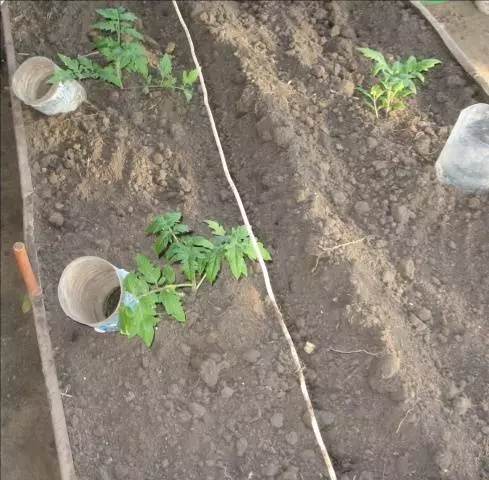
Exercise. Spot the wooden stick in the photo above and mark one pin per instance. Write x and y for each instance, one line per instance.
(25, 269)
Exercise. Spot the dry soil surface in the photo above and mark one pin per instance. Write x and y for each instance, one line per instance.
(400, 376)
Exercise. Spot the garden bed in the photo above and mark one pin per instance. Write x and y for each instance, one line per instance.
(400, 374)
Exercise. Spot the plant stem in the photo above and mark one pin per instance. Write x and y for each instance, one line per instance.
(200, 283)
(167, 287)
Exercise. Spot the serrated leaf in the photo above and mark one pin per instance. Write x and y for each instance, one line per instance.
(217, 229)
(169, 274)
(188, 93)
(427, 64)
(192, 77)
(150, 272)
(190, 253)
(109, 74)
(147, 332)
(163, 240)
(131, 318)
(169, 83)
(135, 285)
(119, 13)
(164, 222)
(213, 264)
(165, 65)
(250, 252)
(111, 27)
(71, 63)
(61, 76)
(173, 305)
(133, 32)
(234, 256)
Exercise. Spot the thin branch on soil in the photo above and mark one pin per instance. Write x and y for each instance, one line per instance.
(331, 249)
(405, 416)
(266, 278)
(348, 352)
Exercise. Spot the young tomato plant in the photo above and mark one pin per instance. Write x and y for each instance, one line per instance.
(395, 81)
(120, 43)
(154, 288)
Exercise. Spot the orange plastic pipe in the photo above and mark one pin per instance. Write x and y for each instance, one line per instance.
(25, 269)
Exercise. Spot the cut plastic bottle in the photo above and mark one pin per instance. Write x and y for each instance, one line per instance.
(464, 160)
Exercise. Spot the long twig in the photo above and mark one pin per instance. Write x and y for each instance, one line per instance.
(314, 423)
(331, 249)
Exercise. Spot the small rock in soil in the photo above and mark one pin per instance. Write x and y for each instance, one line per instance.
(400, 213)
(424, 314)
(56, 219)
(158, 158)
(407, 269)
(252, 356)
(138, 118)
(423, 145)
(209, 372)
(198, 411)
(462, 405)
(241, 446)
(185, 416)
(347, 87)
(339, 198)
(277, 420)
(348, 32)
(388, 277)
(372, 143)
(227, 392)
(283, 136)
(290, 474)
(292, 438)
(386, 367)
(325, 419)
(474, 203)
(271, 470)
(185, 185)
(456, 81)
(362, 208)
(177, 131)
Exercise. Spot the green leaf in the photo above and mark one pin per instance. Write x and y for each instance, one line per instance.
(119, 13)
(111, 27)
(71, 63)
(188, 93)
(135, 285)
(131, 319)
(173, 304)
(147, 332)
(150, 272)
(250, 252)
(372, 54)
(164, 222)
(192, 77)
(191, 253)
(168, 274)
(234, 256)
(364, 92)
(377, 91)
(217, 229)
(61, 76)
(109, 75)
(163, 240)
(213, 264)
(165, 65)
(133, 32)
(140, 65)
(427, 64)
(169, 83)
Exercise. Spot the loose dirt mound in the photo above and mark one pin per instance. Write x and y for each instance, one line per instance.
(400, 374)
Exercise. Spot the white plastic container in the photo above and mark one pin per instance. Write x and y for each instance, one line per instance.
(464, 160)
(91, 291)
(29, 83)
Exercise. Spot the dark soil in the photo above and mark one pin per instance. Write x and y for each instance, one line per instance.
(400, 375)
